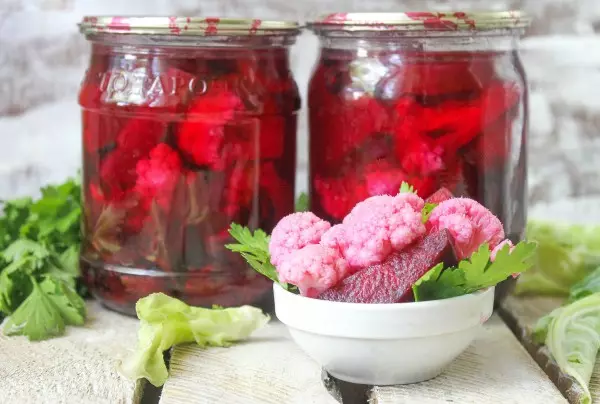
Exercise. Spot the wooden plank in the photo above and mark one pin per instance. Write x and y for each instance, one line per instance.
(79, 367)
(267, 369)
(521, 314)
(495, 369)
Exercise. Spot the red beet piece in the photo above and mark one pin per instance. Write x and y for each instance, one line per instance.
(391, 281)
(441, 195)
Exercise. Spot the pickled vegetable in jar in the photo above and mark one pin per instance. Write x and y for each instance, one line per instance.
(189, 124)
(432, 99)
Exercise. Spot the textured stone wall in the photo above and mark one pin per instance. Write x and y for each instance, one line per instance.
(42, 59)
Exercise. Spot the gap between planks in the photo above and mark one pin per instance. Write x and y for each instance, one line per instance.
(495, 369)
(270, 369)
(267, 369)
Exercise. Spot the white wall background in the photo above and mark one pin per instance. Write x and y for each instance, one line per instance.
(42, 59)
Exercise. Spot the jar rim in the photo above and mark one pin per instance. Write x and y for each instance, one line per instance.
(421, 21)
(186, 26)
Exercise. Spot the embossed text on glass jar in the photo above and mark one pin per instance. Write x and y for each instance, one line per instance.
(188, 125)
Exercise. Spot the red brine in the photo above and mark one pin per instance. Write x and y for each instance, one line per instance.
(380, 115)
(177, 144)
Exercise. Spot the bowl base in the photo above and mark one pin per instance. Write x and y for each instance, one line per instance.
(388, 381)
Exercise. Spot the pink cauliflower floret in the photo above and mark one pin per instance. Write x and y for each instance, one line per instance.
(469, 222)
(335, 238)
(294, 232)
(376, 227)
(157, 175)
(313, 269)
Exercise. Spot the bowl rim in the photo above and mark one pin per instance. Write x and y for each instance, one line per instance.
(382, 306)
(383, 320)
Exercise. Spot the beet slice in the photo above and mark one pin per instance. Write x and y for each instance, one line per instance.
(391, 281)
(439, 196)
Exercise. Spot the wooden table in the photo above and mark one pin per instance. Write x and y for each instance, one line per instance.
(270, 369)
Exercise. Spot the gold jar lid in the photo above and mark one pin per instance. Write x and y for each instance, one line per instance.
(422, 21)
(188, 26)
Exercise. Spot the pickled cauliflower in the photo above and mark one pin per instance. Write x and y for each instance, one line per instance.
(313, 269)
(294, 232)
(469, 222)
(157, 175)
(376, 227)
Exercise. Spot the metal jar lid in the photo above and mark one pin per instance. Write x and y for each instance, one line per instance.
(421, 21)
(185, 26)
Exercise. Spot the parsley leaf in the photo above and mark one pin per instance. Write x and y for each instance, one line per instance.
(55, 218)
(70, 305)
(103, 234)
(254, 248)
(23, 248)
(481, 273)
(68, 261)
(473, 274)
(39, 262)
(426, 211)
(406, 188)
(302, 203)
(48, 307)
(15, 215)
(37, 317)
(15, 285)
(438, 283)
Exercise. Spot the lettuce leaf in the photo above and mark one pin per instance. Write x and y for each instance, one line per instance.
(587, 286)
(166, 322)
(572, 332)
(566, 253)
(540, 329)
(573, 339)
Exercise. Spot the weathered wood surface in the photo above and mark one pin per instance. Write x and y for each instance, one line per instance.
(495, 369)
(521, 314)
(270, 368)
(267, 369)
(79, 367)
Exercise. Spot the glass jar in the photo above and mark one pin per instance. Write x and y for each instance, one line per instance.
(189, 124)
(433, 99)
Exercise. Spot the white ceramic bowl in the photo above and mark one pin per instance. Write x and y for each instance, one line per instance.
(384, 344)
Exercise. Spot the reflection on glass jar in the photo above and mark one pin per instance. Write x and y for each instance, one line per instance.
(431, 99)
(187, 127)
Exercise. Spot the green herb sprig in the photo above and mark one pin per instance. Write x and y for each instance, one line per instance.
(39, 263)
(476, 273)
(254, 248)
